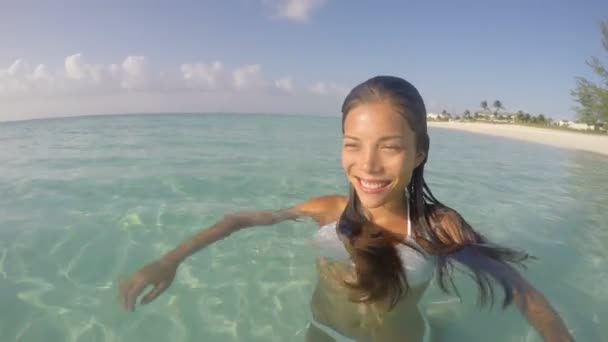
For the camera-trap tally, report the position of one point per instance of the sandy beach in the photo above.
(552, 137)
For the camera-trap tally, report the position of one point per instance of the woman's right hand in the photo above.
(159, 274)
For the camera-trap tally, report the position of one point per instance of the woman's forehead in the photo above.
(375, 120)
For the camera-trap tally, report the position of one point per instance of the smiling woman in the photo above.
(382, 244)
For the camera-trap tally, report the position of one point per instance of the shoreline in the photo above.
(546, 136)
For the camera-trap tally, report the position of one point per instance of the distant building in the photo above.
(432, 116)
(436, 116)
(574, 125)
(486, 115)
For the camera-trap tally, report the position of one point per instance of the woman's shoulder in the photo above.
(323, 209)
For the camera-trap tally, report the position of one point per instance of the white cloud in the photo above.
(206, 76)
(78, 77)
(297, 10)
(41, 73)
(249, 77)
(132, 74)
(328, 89)
(80, 86)
(19, 79)
(135, 73)
(16, 68)
(284, 84)
(74, 68)
(215, 77)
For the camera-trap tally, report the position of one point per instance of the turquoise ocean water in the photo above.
(85, 201)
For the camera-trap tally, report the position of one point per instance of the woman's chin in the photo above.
(376, 200)
(371, 203)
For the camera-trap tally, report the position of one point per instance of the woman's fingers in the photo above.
(152, 294)
(159, 274)
(134, 292)
(131, 290)
(123, 293)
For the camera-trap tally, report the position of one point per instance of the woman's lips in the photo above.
(370, 186)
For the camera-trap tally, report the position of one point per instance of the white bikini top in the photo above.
(419, 267)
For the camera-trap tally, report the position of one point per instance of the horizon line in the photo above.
(63, 117)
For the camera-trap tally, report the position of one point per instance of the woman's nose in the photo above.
(370, 162)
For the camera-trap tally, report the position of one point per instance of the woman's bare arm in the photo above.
(321, 209)
(531, 303)
(537, 310)
(229, 224)
(161, 272)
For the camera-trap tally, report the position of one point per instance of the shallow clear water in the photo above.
(84, 201)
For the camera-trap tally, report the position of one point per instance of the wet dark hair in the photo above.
(438, 229)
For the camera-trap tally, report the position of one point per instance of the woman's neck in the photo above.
(396, 210)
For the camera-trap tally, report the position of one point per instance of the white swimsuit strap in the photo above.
(409, 222)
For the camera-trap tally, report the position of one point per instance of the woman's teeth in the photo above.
(373, 185)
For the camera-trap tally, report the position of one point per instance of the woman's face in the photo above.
(378, 153)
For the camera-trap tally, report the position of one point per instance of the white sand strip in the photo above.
(552, 137)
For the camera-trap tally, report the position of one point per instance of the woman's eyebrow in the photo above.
(391, 137)
(388, 137)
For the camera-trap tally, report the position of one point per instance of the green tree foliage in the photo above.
(497, 106)
(484, 105)
(592, 98)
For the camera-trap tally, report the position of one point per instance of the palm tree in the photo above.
(484, 105)
(498, 105)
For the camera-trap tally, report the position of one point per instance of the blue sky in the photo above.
(295, 56)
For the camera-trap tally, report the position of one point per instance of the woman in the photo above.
(384, 242)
